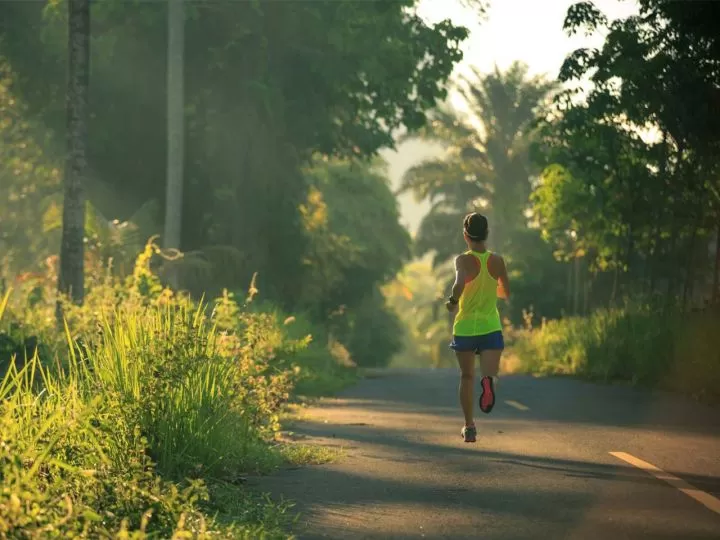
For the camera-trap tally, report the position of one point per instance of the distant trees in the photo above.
(487, 168)
(355, 244)
(269, 85)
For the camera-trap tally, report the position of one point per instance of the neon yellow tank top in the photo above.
(477, 310)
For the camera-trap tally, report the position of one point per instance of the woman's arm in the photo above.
(459, 285)
(498, 270)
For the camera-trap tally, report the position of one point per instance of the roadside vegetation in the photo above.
(637, 344)
(602, 190)
(144, 415)
(141, 381)
(136, 406)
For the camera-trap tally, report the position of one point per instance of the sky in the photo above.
(526, 30)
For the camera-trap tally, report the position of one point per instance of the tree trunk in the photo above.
(690, 267)
(671, 263)
(653, 258)
(586, 291)
(175, 129)
(568, 301)
(576, 298)
(715, 295)
(616, 278)
(71, 279)
(626, 278)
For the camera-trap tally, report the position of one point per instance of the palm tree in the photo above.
(486, 168)
(71, 275)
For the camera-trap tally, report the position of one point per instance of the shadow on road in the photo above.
(402, 468)
(554, 399)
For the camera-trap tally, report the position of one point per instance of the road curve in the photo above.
(556, 459)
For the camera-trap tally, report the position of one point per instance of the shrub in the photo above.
(636, 343)
(144, 399)
(320, 364)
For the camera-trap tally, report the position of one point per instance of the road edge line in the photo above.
(517, 405)
(704, 498)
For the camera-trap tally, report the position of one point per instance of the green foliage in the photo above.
(416, 295)
(143, 415)
(321, 365)
(268, 86)
(631, 171)
(73, 461)
(637, 343)
(374, 333)
(347, 261)
(28, 179)
(348, 203)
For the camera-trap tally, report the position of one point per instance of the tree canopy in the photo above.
(268, 85)
(632, 169)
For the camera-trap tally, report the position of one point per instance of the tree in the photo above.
(273, 84)
(348, 203)
(653, 203)
(488, 167)
(71, 275)
(355, 245)
(175, 125)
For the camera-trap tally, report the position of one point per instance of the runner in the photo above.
(480, 278)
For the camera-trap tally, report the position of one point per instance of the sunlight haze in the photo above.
(536, 38)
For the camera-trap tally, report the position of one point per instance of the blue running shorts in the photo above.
(487, 342)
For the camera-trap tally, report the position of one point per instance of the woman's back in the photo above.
(477, 310)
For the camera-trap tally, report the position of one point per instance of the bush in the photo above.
(321, 364)
(675, 351)
(373, 333)
(144, 413)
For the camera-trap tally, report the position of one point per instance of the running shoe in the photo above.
(487, 398)
(469, 433)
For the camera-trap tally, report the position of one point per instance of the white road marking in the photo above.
(700, 496)
(518, 406)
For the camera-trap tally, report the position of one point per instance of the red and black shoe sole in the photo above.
(488, 388)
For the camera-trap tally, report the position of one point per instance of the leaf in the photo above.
(583, 15)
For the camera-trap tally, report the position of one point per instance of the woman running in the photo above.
(480, 278)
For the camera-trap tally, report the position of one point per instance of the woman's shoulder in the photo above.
(495, 264)
(495, 257)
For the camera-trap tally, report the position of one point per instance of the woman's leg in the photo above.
(490, 365)
(466, 360)
(490, 362)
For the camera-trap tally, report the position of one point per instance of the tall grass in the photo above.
(165, 368)
(674, 351)
(107, 440)
(141, 417)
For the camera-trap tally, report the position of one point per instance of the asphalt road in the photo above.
(541, 469)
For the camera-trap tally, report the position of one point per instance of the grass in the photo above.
(672, 351)
(308, 454)
(144, 416)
